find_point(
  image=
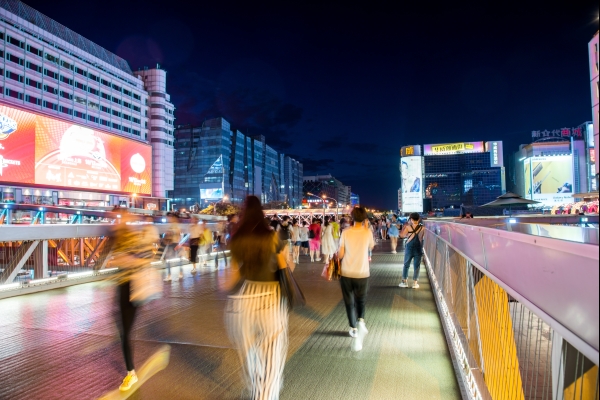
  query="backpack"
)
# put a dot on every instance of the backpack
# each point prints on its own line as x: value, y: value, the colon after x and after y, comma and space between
x: 311, y: 234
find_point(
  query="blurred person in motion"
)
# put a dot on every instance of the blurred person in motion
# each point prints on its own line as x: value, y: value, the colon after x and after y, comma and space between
x: 133, y: 249
x: 314, y: 237
x: 170, y: 243
x: 304, y: 238
x: 328, y: 246
x: 295, y: 232
x: 257, y: 315
x: 355, y: 244
x: 205, y: 244
x: 220, y: 245
x: 336, y: 232
x: 393, y: 233
x: 195, y: 232
x: 413, y: 232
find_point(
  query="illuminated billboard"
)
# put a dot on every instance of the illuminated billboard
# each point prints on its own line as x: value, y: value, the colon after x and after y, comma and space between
x: 39, y: 150
x: 211, y: 194
x: 552, y: 179
x: 453, y: 148
x: 411, y: 169
x: 408, y: 151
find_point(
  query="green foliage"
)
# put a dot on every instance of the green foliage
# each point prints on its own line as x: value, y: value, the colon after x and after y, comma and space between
x: 223, y: 209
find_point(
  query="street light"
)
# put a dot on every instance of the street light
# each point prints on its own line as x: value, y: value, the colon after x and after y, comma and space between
x: 323, y: 200
x: 337, y: 206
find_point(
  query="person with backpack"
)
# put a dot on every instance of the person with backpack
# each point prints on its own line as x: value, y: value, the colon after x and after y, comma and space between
x: 314, y: 238
x: 413, y: 232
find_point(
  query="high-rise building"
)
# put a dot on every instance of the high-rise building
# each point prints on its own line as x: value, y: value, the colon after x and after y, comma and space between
x: 86, y: 108
x: 213, y: 161
x: 329, y: 186
x: 450, y: 175
x: 595, y: 91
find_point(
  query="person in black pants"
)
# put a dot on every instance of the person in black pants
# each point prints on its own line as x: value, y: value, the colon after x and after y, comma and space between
x: 125, y: 322
x: 355, y: 244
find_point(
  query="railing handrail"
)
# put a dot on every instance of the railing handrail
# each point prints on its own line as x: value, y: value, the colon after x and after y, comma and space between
x: 570, y: 306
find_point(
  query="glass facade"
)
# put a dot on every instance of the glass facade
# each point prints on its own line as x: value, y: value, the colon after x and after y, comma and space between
x: 462, y: 179
x: 212, y: 161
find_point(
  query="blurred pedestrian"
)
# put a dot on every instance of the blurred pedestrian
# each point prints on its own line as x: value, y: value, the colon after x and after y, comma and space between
x: 414, y: 232
x: 220, y: 246
x: 295, y: 232
x: 257, y: 315
x: 304, y: 238
x: 133, y: 249
x: 355, y: 244
x: 393, y: 233
x: 195, y: 232
x: 328, y: 246
x: 314, y: 237
x: 336, y: 232
x: 170, y: 244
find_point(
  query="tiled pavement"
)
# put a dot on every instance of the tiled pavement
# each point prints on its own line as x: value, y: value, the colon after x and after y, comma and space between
x: 62, y: 344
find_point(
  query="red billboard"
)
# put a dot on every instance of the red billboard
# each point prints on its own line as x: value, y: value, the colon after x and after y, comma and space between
x: 35, y: 149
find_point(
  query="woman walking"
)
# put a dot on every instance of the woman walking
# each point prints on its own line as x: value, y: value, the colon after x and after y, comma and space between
x: 314, y: 236
x: 328, y: 246
x: 257, y: 315
x: 393, y: 232
x: 304, y: 238
x: 295, y: 234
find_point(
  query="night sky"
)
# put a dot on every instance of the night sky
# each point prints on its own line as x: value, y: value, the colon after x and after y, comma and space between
x: 342, y: 86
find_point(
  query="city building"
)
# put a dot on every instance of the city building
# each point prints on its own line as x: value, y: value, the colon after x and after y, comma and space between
x: 451, y: 175
x: 96, y: 132
x: 595, y: 92
x: 214, y: 162
x: 555, y: 166
x: 354, y: 200
x: 326, y: 185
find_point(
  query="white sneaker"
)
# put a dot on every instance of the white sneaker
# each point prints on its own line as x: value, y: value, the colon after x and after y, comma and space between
x: 415, y: 285
x: 353, y: 332
x: 394, y: 252
x: 168, y: 278
x: 403, y: 284
x: 362, y: 327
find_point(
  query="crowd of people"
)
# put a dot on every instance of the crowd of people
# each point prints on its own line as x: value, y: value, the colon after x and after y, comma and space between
x: 259, y: 249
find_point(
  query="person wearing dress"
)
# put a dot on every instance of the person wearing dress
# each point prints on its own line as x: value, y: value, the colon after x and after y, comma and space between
x: 328, y: 246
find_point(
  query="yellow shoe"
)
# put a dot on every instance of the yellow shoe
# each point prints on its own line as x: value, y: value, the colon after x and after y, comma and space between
x: 130, y: 380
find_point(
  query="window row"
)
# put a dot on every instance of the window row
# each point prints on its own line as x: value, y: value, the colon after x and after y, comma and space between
x: 50, y: 89
x: 21, y: 44
x: 69, y: 111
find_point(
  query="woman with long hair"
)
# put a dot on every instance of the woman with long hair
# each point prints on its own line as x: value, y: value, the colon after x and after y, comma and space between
x: 257, y: 315
x: 328, y: 247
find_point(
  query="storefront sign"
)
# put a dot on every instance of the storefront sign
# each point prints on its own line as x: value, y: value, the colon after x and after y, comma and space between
x: 564, y: 133
x: 453, y: 148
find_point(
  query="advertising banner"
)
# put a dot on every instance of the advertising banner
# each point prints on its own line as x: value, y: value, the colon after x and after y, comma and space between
x: 211, y: 194
x: 409, y: 151
x: 453, y: 148
x: 411, y: 169
x: 35, y: 149
x: 496, y: 153
x: 552, y: 179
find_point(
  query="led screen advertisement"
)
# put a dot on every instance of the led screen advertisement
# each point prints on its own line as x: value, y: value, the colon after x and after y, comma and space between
x: 453, y: 148
x: 552, y: 179
x: 211, y: 194
x: 35, y: 149
x: 411, y: 170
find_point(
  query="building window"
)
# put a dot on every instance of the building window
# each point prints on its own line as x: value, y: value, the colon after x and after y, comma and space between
x: 50, y: 105
x: 13, y: 76
x: 136, y: 120
x: 127, y: 117
x: 14, y: 94
x: 93, y: 77
x: 104, y: 82
x: 126, y: 92
x: 116, y: 126
x: 95, y: 106
x: 80, y: 71
x: 80, y: 86
x: 15, y: 42
x: 126, y: 104
x: 50, y: 89
x: 51, y: 58
x: 126, y: 129
x: 135, y: 132
x: 66, y: 65
x: 136, y: 108
x: 66, y: 110
x: 116, y: 100
x: 66, y: 80
x: 14, y: 59
x: 104, y: 122
x: 34, y: 67
x: 137, y: 96
x: 50, y: 74
x: 79, y: 114
x: 94, y: 91
x: 80, y: 100
x: 35, y: 51
x: 115, y: 87
x: 33, y: 100
x: 116, y: 113
x: 91, y: 118
x: 105, y: 109
x: 105, y: 95
x: 66, y: 95
x: 33, y: 83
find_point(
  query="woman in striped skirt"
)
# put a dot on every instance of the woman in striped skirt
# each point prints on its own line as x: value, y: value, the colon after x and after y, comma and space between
x: 257, y: 315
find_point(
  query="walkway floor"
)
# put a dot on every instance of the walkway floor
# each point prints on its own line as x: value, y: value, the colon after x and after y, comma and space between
x: 62, y: 344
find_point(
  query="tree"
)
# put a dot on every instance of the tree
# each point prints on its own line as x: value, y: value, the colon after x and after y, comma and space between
x: 223, y: 209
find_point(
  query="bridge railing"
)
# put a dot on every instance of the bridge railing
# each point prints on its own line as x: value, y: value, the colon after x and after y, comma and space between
x: 520, y: 311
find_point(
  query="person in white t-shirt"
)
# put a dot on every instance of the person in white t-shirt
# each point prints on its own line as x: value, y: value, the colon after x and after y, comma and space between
x: 355, y: 244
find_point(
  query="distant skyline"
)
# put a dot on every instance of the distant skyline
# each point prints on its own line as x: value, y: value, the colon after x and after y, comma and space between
x: 341, y: 87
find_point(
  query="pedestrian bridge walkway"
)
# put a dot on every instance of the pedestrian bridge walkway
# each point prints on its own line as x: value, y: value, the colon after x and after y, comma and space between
x: 63, y: 343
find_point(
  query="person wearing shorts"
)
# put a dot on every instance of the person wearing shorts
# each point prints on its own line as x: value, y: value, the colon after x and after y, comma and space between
x: 304, y: 238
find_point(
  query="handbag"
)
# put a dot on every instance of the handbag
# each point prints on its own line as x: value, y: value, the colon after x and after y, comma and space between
x: 145, y: 285
x: 333, y: 270
x: 195, y: 241
x: 290, y: 289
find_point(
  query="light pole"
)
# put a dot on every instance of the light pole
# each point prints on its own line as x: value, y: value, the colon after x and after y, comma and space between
x: 337, y: 206
x: 322, y: 200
